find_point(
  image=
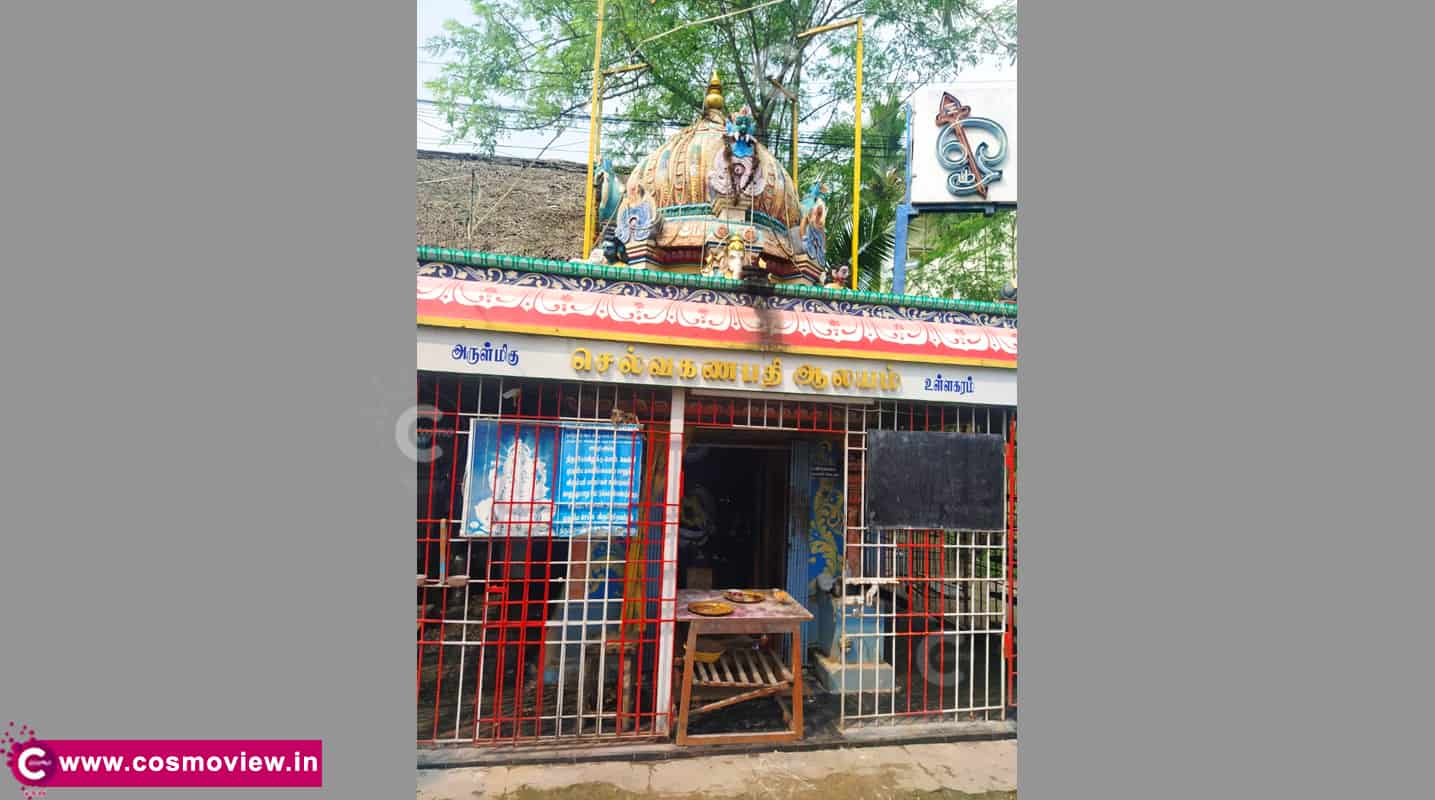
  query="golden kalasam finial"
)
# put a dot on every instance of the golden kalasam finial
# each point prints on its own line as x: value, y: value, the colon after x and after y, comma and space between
x: 713, y: 100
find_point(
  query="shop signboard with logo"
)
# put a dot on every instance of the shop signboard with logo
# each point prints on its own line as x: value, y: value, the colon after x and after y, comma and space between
x: 964, y: 145
x: 962, y: 155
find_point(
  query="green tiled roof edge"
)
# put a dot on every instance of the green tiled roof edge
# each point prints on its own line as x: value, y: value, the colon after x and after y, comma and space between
x: 578, y: 269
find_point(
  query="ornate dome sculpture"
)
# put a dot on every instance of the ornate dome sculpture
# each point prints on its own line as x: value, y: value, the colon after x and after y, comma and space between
x: 708, y: 183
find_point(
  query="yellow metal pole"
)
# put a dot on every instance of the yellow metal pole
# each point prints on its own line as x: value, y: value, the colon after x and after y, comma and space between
x: 593, y: 134
x: 832, y: 26
x: 856, y: 160
x: 857, y: 134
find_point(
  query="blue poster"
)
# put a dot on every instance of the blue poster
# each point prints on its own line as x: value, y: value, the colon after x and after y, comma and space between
x: 599, y: 478
x: 510, y: 474
x: 525, y: 479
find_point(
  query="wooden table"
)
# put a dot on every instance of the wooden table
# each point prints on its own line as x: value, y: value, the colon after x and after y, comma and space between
x: 753, y: 674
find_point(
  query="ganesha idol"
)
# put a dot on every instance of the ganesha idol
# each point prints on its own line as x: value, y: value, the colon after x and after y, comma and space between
x: 709, y: 185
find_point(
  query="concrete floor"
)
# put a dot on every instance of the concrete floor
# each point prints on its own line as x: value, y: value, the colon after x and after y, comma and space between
x: 970, y: 770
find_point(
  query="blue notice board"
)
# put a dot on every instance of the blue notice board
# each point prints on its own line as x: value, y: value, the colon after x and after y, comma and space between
x: 600, y: 472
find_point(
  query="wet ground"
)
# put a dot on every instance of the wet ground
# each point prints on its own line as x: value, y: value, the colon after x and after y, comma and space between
x: 836, y: 787
x: 969, y: 770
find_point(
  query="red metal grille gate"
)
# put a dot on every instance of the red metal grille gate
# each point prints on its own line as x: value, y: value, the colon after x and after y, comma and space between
x: 495, y: 614
x: 1010, y: 637
x: 530, y: 635
x: 924, y: 613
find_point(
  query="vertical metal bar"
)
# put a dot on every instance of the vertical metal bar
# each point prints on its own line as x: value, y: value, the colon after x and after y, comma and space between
x: 905, y: 212
x: 1009, y: 589
x: 840, y: 635
x: 605, y: 601
x: 915, y: 580
x: 566, y: 597
x: 588, y: 220
x: 422, y: 531
x: 986, y: 628
x: 856, y: 161
x: 529, y: 568
x: 483, y: 605
x: 506, y: 622
x: 540, y: 665
x: 443, y: 599
x: 972, y: 649
x: 630, y: 538
x: 462, y: 651
x: 667, y: 602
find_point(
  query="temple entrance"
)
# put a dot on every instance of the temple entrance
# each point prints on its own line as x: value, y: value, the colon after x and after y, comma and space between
x: 543, y: 632
x: 734, y: 519
x: 747, y: 498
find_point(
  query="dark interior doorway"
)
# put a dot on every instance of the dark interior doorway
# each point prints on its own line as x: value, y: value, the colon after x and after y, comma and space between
x: 733, y: 532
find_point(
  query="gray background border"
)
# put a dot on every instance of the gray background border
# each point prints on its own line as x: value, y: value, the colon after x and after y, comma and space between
x: 207, y: 317
x: 1221, y: 207
x: 208, y: 325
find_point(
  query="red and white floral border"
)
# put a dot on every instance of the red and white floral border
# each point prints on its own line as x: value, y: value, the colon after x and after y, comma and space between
x: 563, y: 312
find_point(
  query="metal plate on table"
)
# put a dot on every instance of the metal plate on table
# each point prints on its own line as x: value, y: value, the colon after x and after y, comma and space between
x: 711, y: 608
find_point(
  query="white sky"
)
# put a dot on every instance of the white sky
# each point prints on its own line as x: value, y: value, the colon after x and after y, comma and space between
x: 573, y: 144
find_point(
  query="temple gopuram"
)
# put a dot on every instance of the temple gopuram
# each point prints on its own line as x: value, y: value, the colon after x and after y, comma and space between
x: 712, y: 200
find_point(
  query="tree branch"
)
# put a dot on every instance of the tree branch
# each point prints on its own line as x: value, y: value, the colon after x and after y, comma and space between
x: 736, y: 58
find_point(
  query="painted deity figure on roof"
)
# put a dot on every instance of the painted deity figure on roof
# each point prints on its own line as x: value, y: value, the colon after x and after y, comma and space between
x: 736, y: 259
x: 812, y: 230
x: 613, y: 250
x: 740, y: 129
x: 735, y: 169
x: 638, y: 217
x: 607, y: 190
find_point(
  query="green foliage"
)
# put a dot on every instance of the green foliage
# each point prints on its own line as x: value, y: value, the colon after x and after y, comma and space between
x: 882, y: 188
x: 875, y: 244
x: 968, y: 255
x: 537, y: 55
x: 959, y: 255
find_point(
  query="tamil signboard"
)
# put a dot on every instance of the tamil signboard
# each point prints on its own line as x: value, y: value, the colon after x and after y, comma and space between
x: 964, y: 145
x: 708, y: 369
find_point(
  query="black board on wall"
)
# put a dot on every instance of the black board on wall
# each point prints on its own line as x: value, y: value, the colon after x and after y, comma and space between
x: 921, y: 479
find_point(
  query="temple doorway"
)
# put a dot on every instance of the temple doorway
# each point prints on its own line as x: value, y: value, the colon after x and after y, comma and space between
x: 734, y: 519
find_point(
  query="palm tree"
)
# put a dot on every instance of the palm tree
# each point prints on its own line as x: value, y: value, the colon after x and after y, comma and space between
x: 883, y: 185
x: 874, y: 248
